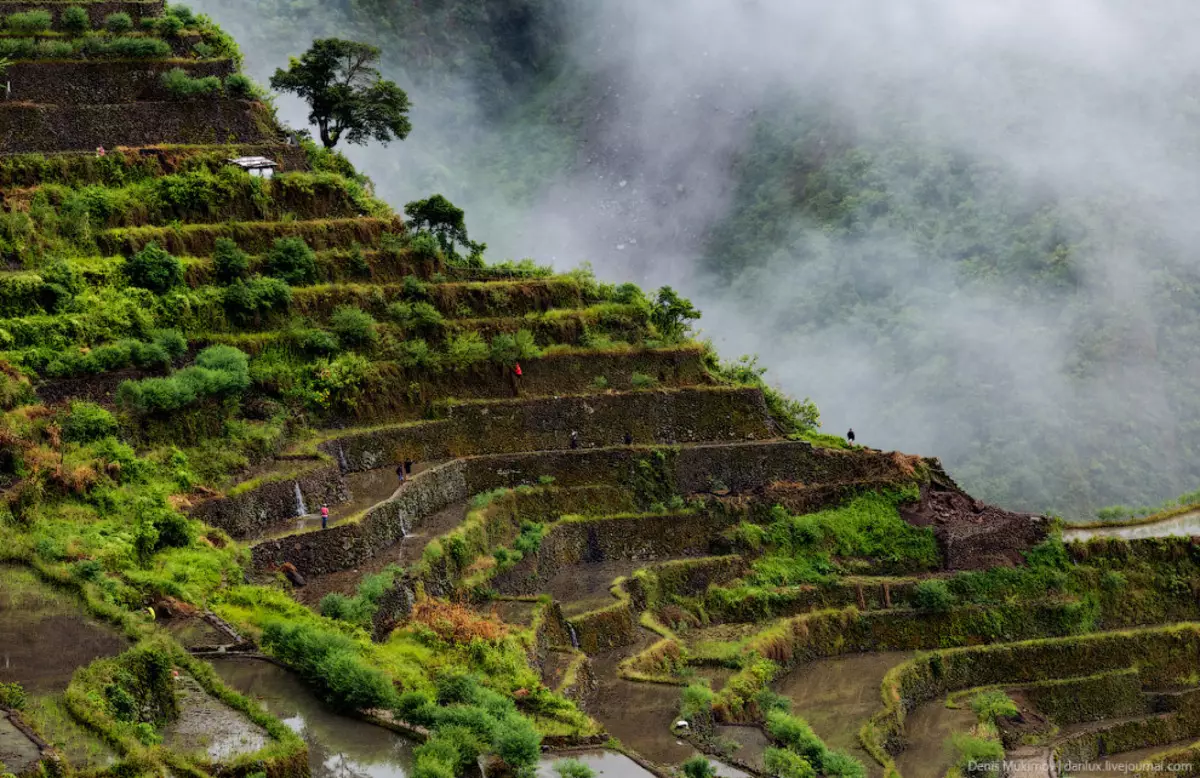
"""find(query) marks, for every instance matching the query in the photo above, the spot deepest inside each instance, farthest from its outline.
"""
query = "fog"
(1089, 104)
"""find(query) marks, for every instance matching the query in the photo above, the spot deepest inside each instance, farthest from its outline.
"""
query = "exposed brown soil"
(974, 535)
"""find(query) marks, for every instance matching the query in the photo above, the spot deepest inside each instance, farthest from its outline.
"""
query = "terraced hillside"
(555, 521)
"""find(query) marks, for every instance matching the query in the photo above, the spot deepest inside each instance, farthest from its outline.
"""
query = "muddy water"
(207, 725)
(584, 587)
(17, 752)
(838, 695)
(929, 727)
(609, 764)
(407, 551)
(337, 746)
(44, 635)
(640, 715)
(1117, 765)
(1184, 525)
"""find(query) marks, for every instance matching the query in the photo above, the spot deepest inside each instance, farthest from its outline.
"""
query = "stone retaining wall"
(348, 545)
(97, 10)
(345, 546)
(646, 537)
(104, 82)
(28, 127)
(256, 510)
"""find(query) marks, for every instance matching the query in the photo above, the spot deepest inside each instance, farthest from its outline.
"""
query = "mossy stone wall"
(259, 509)
(254, 237)
(47, 128)
(97, 10)
(102, 82)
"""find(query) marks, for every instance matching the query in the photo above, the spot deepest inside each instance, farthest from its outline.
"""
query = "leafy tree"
(441, 218)
(671, 314)
(154, 269)
(347, 97)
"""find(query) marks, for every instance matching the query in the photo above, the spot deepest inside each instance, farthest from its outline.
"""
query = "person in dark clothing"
(628, 438)
(574, 439)
(850, 435)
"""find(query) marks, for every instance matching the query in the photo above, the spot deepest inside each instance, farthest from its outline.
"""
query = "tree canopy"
(347, 97)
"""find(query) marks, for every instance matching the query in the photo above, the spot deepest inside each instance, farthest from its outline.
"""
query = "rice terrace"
(296, 482)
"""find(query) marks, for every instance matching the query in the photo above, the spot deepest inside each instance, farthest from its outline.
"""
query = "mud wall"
(46, 128)
(98, 81)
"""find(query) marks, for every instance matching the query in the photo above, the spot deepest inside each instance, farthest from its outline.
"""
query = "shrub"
(990, 705)
(573, 768)
(784, 764)
(976, 756)
(841, 765)
(12, 695)
(419, 316)
(330, 661)
(118, 23)
(154, 269)
(239, 87)
(313, 342)
(466, 350)
(230, 263)
(219, 372)
(795, 733)
(517, 742)
(29, 21)
(354, 327)
(510, 349)
(292, 261)
(699, 767)
(87, 422)
(251, 301)
(933, 595)
(642, 381)
(416, 354)
(180, 85)
(75, 19)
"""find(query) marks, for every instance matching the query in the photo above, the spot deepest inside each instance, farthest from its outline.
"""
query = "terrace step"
(38, 127)
(252, 237)
(104, 82)
(126, 164)
(97, 10)
(516, 298)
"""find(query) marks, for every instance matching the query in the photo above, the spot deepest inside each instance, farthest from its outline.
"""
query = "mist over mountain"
(964, 229)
